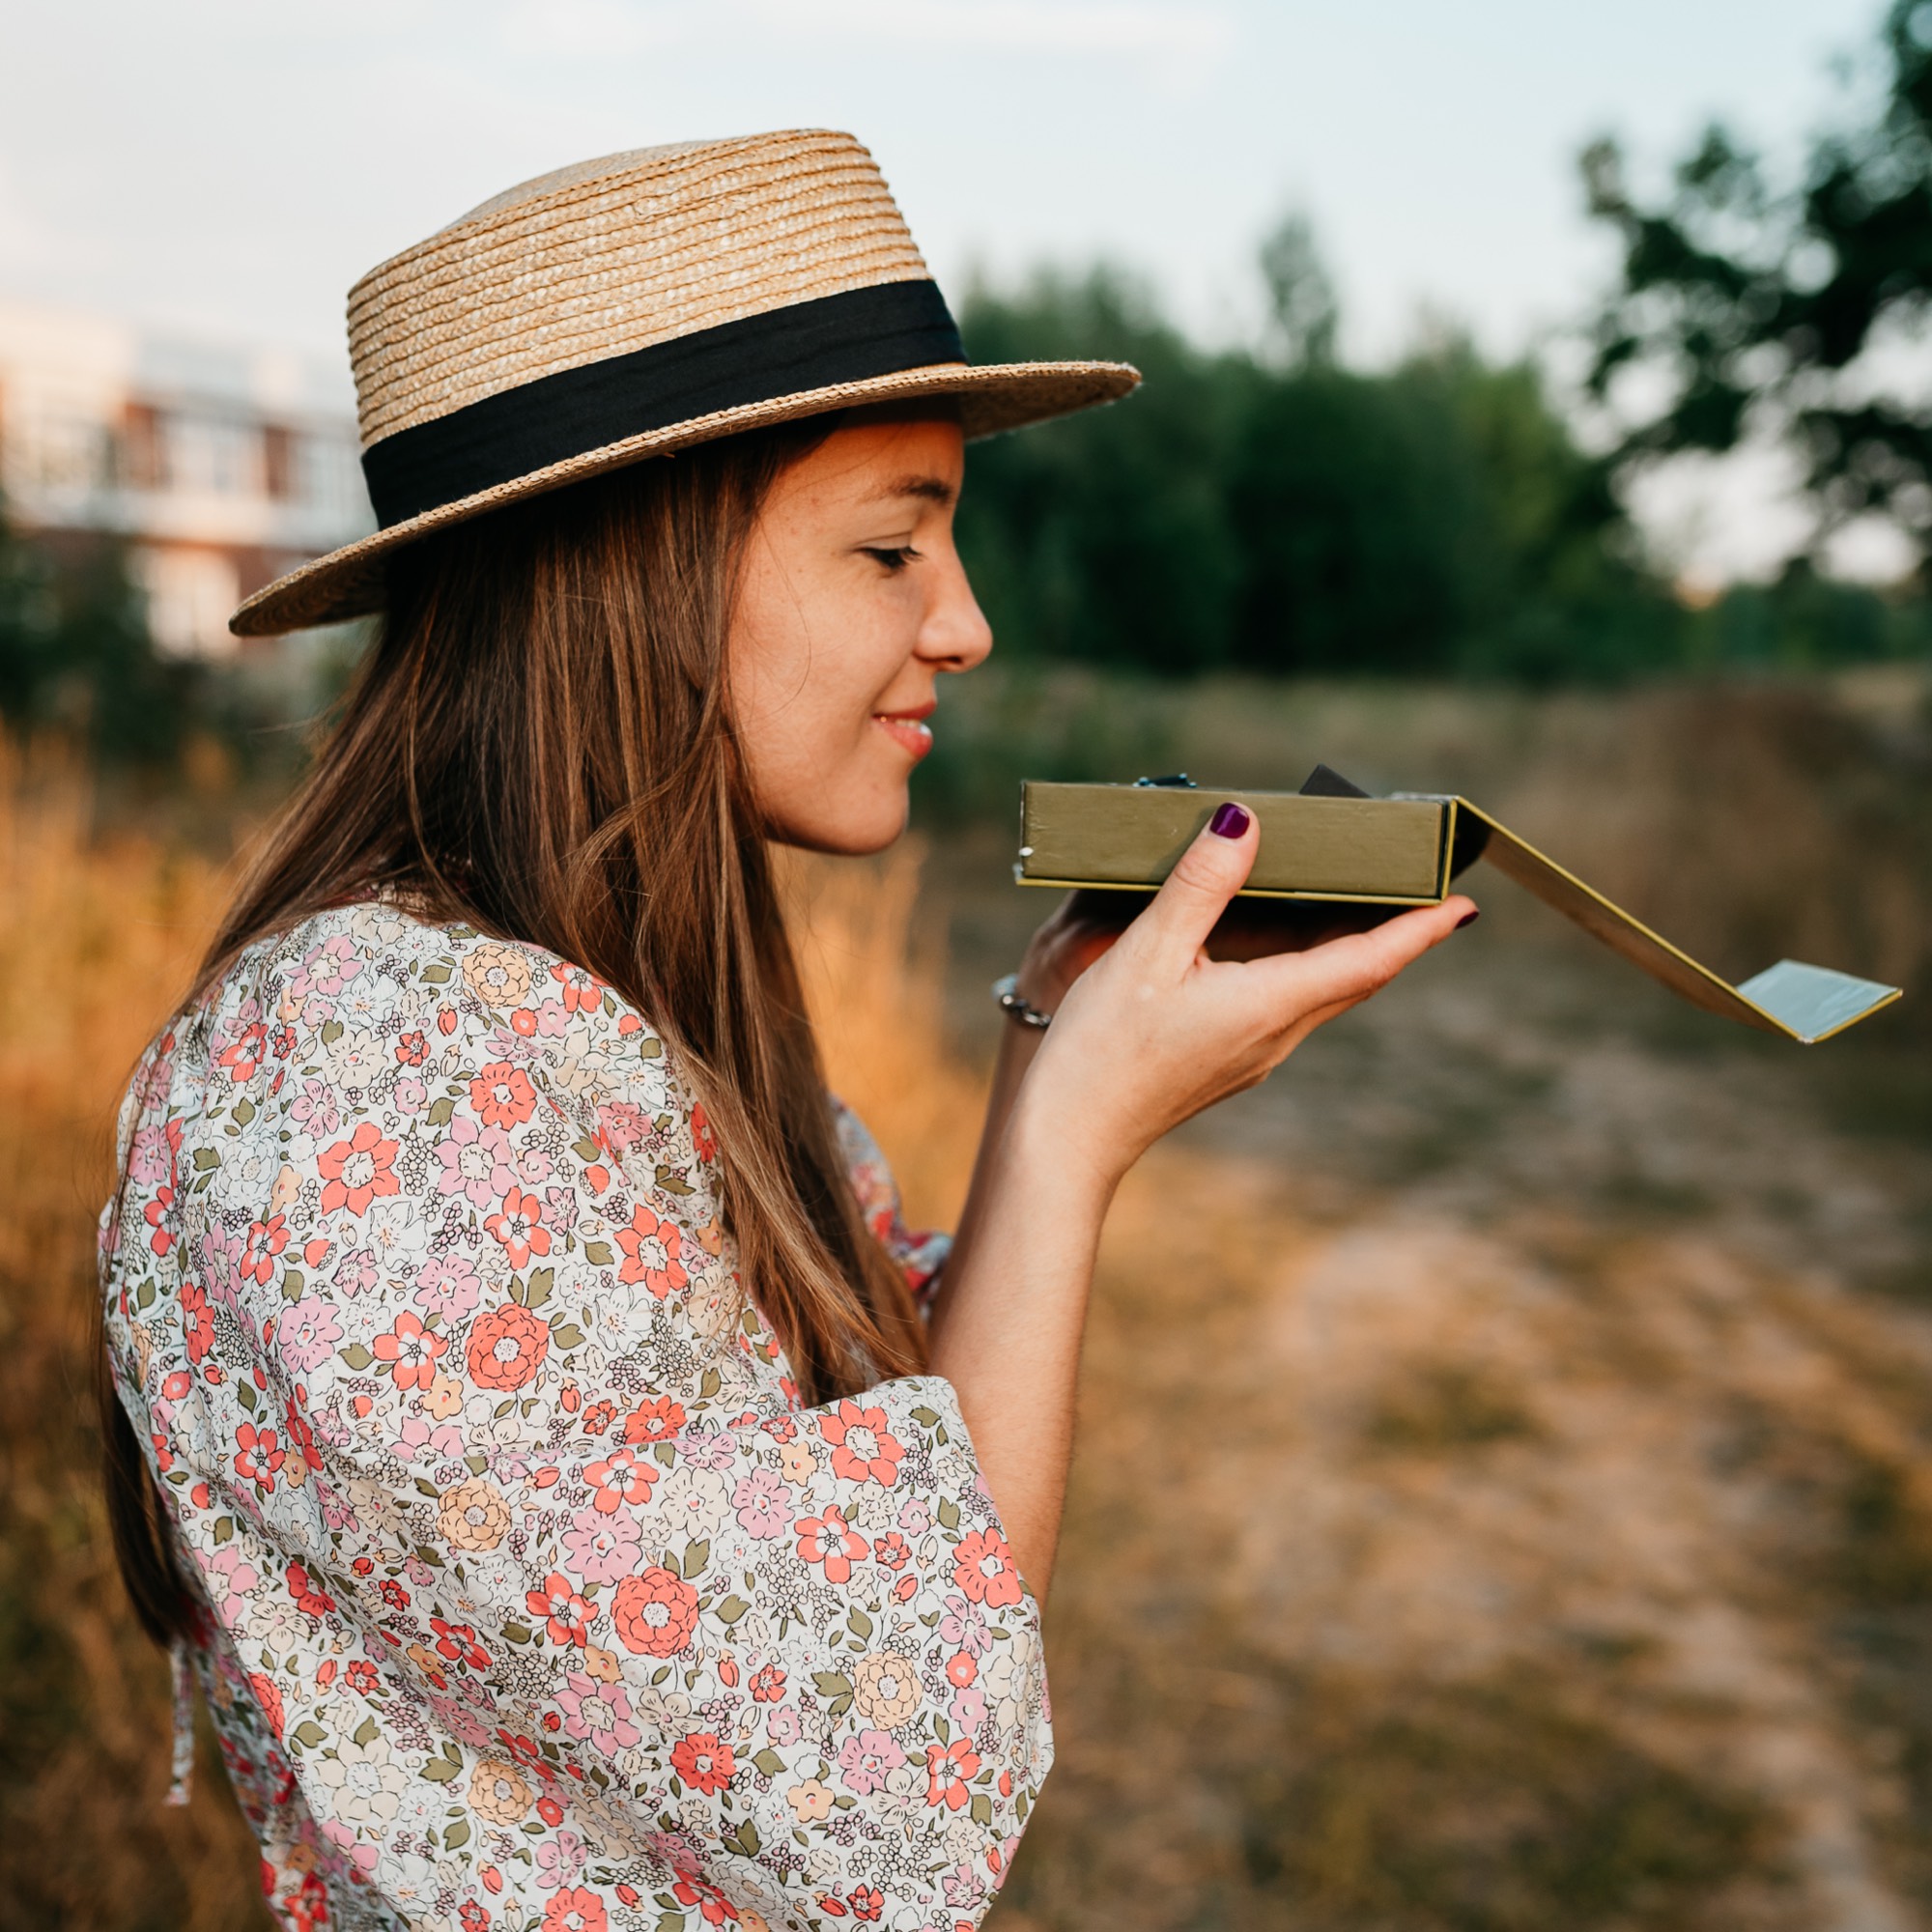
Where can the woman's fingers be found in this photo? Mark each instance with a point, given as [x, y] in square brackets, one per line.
[1341, 973]
[1169, 934]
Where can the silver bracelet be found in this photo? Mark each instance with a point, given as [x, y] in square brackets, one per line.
[1007, 991]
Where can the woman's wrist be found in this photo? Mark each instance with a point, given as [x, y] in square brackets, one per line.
[1045, 1142]
[1040, 982]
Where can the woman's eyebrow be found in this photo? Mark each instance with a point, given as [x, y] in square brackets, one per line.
[932, 489]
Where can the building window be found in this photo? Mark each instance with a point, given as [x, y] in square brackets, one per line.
[191, 595]
[277, 462]
[212, 456]
[143, 448]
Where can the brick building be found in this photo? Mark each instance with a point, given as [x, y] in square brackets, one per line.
[221, 468]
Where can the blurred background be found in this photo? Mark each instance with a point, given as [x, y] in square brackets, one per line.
[1503, 1495]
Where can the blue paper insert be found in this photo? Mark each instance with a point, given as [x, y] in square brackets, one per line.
[1813, 1001]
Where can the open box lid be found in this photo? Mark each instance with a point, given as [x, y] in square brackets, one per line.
[1333, 841]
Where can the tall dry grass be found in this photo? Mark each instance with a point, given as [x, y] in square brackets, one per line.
[876, 986]
[97, 939]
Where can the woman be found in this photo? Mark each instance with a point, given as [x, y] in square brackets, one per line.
[582, 1501]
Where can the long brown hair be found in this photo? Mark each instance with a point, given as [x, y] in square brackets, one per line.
[540, 743]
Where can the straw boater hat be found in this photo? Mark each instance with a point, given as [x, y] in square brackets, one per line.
[632, 306]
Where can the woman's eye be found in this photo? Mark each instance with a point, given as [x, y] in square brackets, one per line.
[895, 559]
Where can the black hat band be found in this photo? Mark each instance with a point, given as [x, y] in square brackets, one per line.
[811, 344]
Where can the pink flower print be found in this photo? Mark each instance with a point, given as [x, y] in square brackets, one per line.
[552, 1020]
[676, 1850]
[533, 1166]
[602, 1548]
[599, 1712]
[651, 1253]
[314, 1109]
[155, 1213]
[865, 1760]
[410, 1093]
[711, 1449]
[622, 1477]
[913, 1518]
[325, 969]
[413, 1349]
[622, 1125]
[417, 1441]
[968, 1709]
[357, 1274]
[336, 1513]
[964, 1625]
[458, 1722]
[982, 1566]
[222, 1252]
[148, 1158]
[309, 1331]
[558, 1860]
[764, 1504]
[225, 1575]
[963, 1890]
[782, 1727]
[446, 1285]
[477, 1162]
[863, 1448]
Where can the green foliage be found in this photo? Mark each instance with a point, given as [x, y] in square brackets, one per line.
[1105, 537]
[1803, 622]
[1286, 515]
[1303, 312]
[75, 656]
[1753, 305]
[1279, 514]
[1360, 514]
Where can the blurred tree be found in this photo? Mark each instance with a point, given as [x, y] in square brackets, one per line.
[1767, 312]
[1303, 312]
[1105, 537]
[1274, 512]
[1805, 621]
[1562, 592]
[1359, 508]
[77, 658]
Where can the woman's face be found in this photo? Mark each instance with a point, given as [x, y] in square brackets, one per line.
[852, 604]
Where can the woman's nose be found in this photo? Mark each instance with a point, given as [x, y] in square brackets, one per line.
[956, 635]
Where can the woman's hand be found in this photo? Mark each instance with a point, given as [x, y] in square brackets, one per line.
[1089, 921]
[1151, 1028]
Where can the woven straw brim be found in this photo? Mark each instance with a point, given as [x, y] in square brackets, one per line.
[351, 582]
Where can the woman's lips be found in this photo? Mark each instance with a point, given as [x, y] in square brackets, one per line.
[908, 729]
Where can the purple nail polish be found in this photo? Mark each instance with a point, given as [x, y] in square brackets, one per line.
[1469, 918]
[1231, 821]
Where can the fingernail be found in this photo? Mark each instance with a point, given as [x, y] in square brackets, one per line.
[1469, 918]
[1229, 821]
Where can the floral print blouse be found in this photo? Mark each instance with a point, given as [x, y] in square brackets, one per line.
[534, 1598]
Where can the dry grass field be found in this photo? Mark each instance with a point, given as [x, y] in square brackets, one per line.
[1503, 1497]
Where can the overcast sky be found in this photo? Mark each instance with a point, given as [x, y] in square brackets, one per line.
[234, 167]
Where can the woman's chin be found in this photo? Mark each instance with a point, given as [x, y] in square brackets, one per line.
[858, 834]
